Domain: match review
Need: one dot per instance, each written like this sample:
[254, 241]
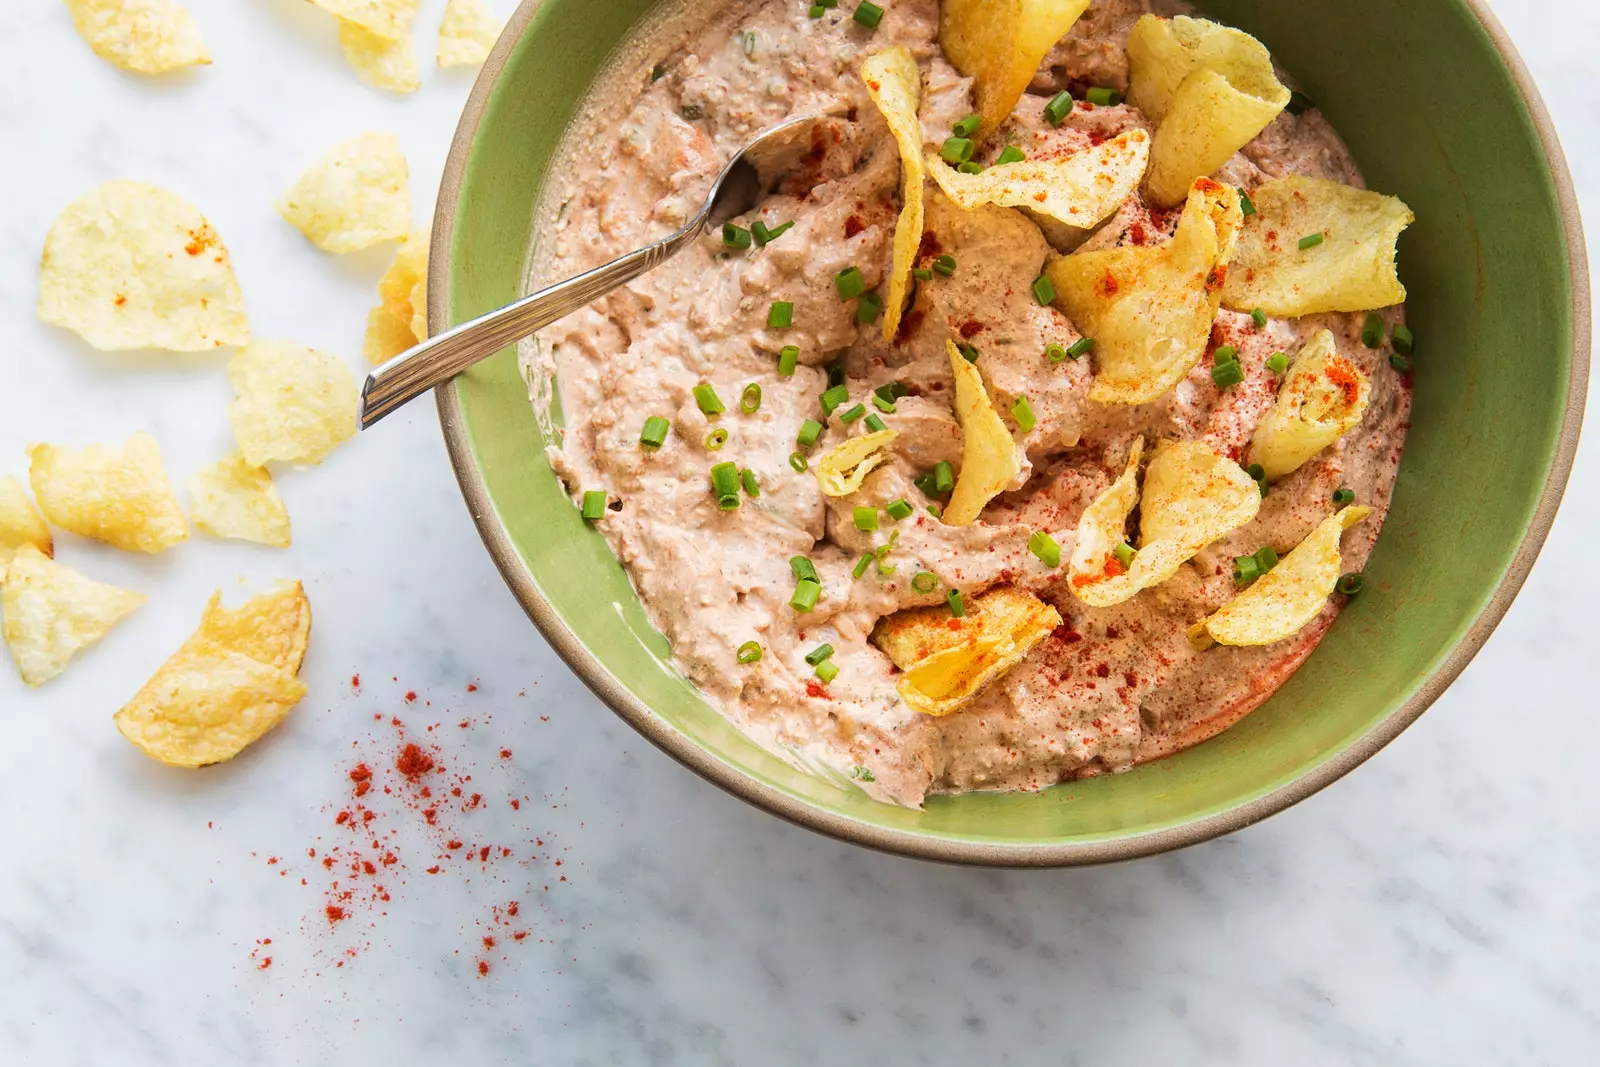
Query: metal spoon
[435, 361]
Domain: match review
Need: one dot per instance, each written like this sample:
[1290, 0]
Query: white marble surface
[1438, 906]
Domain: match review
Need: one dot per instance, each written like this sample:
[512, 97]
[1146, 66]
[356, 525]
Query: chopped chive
[1343, 497]
[594, 505]
[1372, 331]
[898, 509]
[868, 14]
[765, 236]
[748, 42]
[828, 670]
[1059, 107]
[1080, 346]
[1055, 353]
[868, 308]
[816, 11]
[1402, 338]
[1247, 207]
[944, 478]
[655, 431]
[710, 403]
[849, 283]
[780, 316]
[735, 236]
[1266, 558]
[925, 483]
[810, 430]
[818, 654]
[882, 553]
[1245, 569]
[957, 149]
[1277, 363]
[851, 414]
[882, 404]
[945, 265]
[725, 483]
[925, 582]
[861, 566]
[1010, 154]
[1256, 471]
[798, 462]
[749, 652]
[747, 480]
[897, 389]
[716, 439]
[968, 352]
[1225, 354]
[866, 519]
[806, 594]
[1044, 290]
[862, 774]
[1047, 548]
[1399, 362]
[1310, 240]
[1124, 553]
[874, 424]
[1259, 317]
[1022, 411]
[803, 569]
[1227, 373]
[1350, 584]
[966, 127]
[957, 608]
[1103, 97]
[788, 360]
[969, 167]
[936, 510]
[835, 373]
[657, 72]
[922, 274]
[832, 397]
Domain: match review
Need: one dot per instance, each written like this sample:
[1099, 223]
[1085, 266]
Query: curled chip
[51, 613]
[999, 44]
[403, 289]
[467, 34]
[273, 628]
[354, 197]
[116, 494]
[846, 466]
[130, 265]
[990, 459]
[387, 19]
[20, 524]
[233, 499]
[1081, 190]
[1323, 397]
[1286, 597]
[292, 403]
[144, 36]
[1210, 88]
[386, 336]
[895, 85]
[949, 661]
[1150, 309]
[1101, 527]
[381, 63]
[1351, 269]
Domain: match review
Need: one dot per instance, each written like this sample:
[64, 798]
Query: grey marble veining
[1438, 906]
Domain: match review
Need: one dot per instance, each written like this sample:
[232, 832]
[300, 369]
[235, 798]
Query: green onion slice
[868, 308]
[945, 265]
[828, 670]
[788, 360]
[874, 424]
[1310, 240]
[1081, 346]
[957, 149]
[798, 462]
[594, 505]
[1124, 553]
[957, 607]
[1372, 331]
[710, 403]
[1350, 584]
[861, 566]
[898, 509]
[868, 14]
[1045, 547]
[1010, 154]
[818, 654]
[780, 316]
[832, 397]
[810, 430]
[966, 127]
[716, 439]
[1343, 497]
[747, 479]
[944, 477]
[1227, 373]
[925, 581]
[866, 519]
[803, 569]
[922, 274]
[1103, 97]
[1247, 207]
[849, 283]
[806, 595]
[1055, 353]
[735, 236]
[1059, 107]
[750, 399]
[655, 431]
[1277, 363]
[969, 167]
[1402, 338]
[1022, 411]
[1044, 290]
[1259, 317]
[749, 652]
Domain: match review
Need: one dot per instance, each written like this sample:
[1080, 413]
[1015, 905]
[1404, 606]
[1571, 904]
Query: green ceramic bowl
[1438, 109]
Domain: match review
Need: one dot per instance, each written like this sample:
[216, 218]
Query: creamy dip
[1111, 687]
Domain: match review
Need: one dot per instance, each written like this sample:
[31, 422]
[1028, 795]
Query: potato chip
[273, 628]
[1150, 309]
[1286, 597]
[895, 85]
[1101, 527]
[1351, 269]
[20, 524]
[1081, 190]
[403, 287]
[51, 613]
[354, 197]
[130, 265]
[386, 19]
[949, 661]
[999, 44]
[144, 36]
[118, 494]
[233, 499]
[467, 34]
[990, 459]
[1323, 397]
[1211, 90]
[385, 64]
[846, 466]
[386, 336]
[292, 403]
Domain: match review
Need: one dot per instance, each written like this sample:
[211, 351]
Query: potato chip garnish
[1081, 190]
[51, 613]
[467, 34]
[1101, 527]
[20, 524]
[292, 403]
[118, 494]
[999, 44]
[1286, 597]
[144, 36]
[990, 459]
[233, 499]
[1352, 268]
[354, 197]
[949, 661]
[273, 628]
[402, 291]
[1323, 397]
[382, 63]
[1150, 309]
[846, 466]
[1210, 88]
[895, 85]
[388, 19]
[129, 265]
[386, 336]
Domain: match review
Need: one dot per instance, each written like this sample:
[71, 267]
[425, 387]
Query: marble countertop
[1437, 906]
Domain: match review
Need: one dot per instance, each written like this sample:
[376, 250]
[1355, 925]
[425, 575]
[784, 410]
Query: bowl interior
[1433, 114]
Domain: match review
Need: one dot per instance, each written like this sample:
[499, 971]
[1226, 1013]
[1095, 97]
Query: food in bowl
[1029, 428]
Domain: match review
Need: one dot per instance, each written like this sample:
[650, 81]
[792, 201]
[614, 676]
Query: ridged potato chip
[1210, 88]
[1323, 397]
[386, 336]
[272, 628]
[382, 63]
[292, 403]
[144, 36]
[403, 289]
[895, 85]
[1352, 268]
[1102, 525]
[233, 499]
[846, 466]
[51, 613]
[467, 34]
[129, 265]
[354, 197]
[1150, 309]
[949, 661]
[999, 44]
[1081, 190]
[990, 459]
[388, 19]
[20, 524]
[118, 494]
[1287, 597]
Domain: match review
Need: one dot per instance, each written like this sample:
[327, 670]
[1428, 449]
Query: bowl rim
[638, 714]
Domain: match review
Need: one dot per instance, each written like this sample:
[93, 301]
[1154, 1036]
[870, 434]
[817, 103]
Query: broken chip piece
[274, 627]
[20, 523]
[990, 459]
[292, 403]
[1102, 525]
[846, 466]
[1323, 397]
[233, 499]
[382, 63]
[143, 36]
[467, 34]
[386, 19]
[1000, 44]
[118, 494]
[402, 291]
[1081, 190]
[895, 84]
[355, 196]
[50, 613]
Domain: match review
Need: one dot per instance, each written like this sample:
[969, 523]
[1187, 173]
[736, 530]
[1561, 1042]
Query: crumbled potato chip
[52, 613]
[273, 628]
[292, 403]
[947, 665]
[381, 63]
[385, 19]
[990, 459]
[1150, 309]
[130, 265]
[20, 524]
[144, 36]
[1287, 597]
[895, 85]
[1081, 190]
[1323, 397]
[1351, 269]
[1000, 44]
[233, 499]
[354, 197]
[116, 494]
[467, 34]
[1101, 527]
[846, 466]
